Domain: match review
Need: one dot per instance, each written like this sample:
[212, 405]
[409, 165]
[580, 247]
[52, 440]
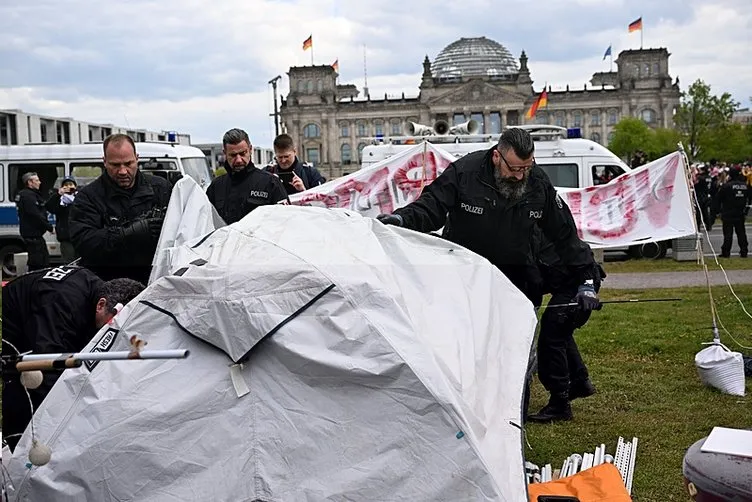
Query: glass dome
[474, 57]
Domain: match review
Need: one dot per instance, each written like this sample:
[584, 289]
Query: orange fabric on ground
[601, 483]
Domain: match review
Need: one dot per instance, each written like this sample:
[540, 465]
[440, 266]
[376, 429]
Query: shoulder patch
[104, 344]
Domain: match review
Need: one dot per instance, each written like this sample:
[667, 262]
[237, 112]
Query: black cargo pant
[729, 227]
[559, 361]
[38, 256]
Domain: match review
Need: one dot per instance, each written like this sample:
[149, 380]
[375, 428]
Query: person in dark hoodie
[245, 187]
[60, 205]
[33, 222]
[296, 176]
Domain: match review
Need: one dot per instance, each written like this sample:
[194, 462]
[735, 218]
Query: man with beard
[489, 201]
[245, 187]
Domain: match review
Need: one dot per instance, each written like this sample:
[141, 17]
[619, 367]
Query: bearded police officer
[731, 202]
[244, 187]
[488, 201]
[51, 311]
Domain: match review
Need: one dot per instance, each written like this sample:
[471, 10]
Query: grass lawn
[671, 265]
[641, 359]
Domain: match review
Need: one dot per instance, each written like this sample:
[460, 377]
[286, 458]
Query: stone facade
[331, 123]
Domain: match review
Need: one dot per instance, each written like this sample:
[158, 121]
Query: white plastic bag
[720, 368]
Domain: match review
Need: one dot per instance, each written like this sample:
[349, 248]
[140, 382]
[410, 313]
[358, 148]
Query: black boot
[557, 409]
[581, 389]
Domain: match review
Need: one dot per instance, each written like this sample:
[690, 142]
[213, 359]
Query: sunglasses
[517, 169]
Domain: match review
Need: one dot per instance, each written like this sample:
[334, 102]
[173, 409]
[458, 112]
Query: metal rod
[108, 356]
[634, 300]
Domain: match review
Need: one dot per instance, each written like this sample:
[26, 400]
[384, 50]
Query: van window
[165, 168]
[48, 173]
[562, 175]
[602, 174]
[85, 172]
[198, 169]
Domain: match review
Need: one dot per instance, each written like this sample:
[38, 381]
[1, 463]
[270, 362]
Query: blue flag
[608, 52]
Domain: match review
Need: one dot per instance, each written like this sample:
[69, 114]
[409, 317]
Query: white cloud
[203, 68]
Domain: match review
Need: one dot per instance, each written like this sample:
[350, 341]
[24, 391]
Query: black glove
[390, 219]
[144, 229]
[587, 298]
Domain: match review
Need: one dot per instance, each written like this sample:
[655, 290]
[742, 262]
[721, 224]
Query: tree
[699, 112]
[665, 141]
[631, 135]
[730, 142]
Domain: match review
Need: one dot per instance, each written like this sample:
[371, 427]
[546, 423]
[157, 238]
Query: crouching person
[49, 311]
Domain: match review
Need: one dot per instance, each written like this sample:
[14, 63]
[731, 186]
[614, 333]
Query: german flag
[541, 101]
[308, 43]
[635, 25]
[335, 65]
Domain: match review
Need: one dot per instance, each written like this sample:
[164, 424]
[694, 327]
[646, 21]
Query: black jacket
[62, 215]
[32, 216]
[99, 212]
[731, 199]
[464, 199]
[705, 187]
[236, 194]
[310, 176]
[45, 311]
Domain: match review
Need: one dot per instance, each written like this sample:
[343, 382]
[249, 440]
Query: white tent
[331, 358]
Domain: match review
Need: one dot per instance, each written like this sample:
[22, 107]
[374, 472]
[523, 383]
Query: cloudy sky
[203, 67]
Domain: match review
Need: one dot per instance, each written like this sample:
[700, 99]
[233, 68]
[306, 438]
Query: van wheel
[649, 250]
[6, 253]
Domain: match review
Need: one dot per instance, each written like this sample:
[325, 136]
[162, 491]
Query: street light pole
[276, 110]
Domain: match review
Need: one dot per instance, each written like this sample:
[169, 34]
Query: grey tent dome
[474, 57]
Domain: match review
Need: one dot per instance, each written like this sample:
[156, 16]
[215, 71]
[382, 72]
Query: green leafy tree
[631, 135]
[730, 142]
[665, 141]
[700, 112]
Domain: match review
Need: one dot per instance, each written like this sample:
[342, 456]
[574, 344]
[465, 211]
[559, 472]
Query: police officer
[296, 176]
[116, 220]
[49, 311]
[561, 369]
[731, 202]
[33, 222]
[705, 188]
[244, 187]
[489, 201]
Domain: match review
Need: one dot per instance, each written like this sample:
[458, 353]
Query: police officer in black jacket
[50, 311]
[296, 176]
[561, 369]
[731, 202]
[244, 187]
[116, 220]
[489, 201]
[33, 222]
[705, 188]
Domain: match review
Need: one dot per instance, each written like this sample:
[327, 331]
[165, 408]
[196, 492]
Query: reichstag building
[471, 78]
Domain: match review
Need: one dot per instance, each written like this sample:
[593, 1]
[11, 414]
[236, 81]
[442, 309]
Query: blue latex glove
[587, 298]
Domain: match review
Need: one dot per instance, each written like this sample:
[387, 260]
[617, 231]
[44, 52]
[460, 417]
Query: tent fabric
[380, 364]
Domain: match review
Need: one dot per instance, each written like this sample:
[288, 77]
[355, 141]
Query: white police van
[84, 162]
[569, 160]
